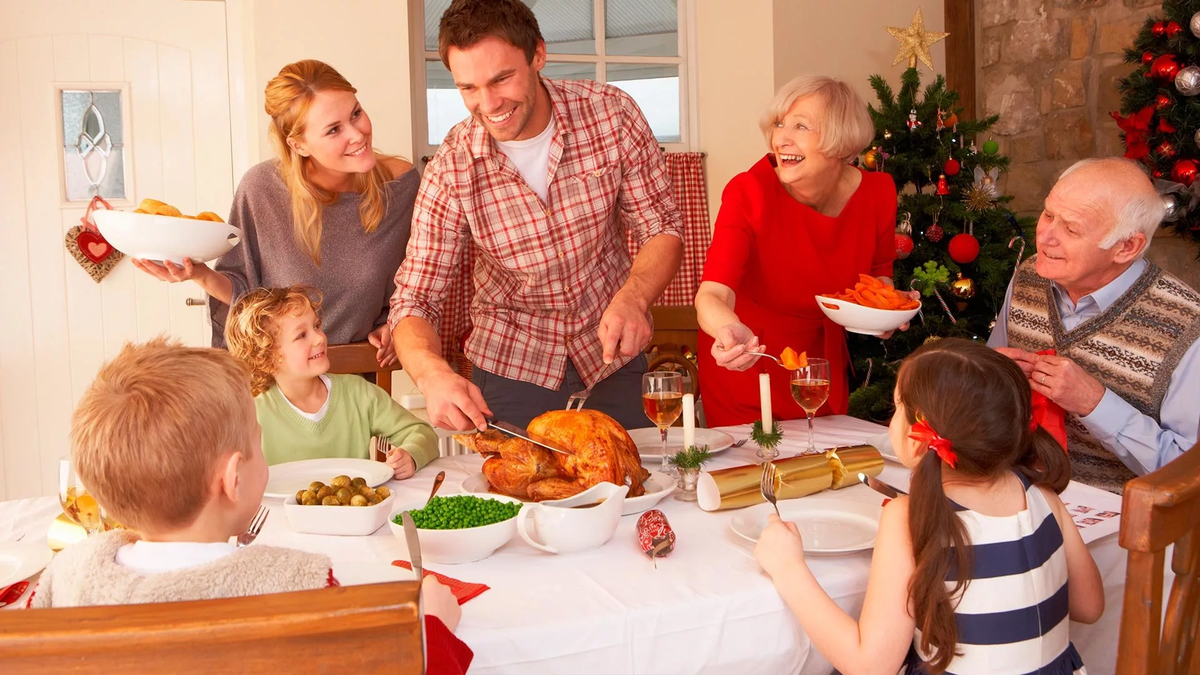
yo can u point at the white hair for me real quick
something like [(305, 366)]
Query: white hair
[(1136, 205)]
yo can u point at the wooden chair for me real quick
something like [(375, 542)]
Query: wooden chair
[(1161, 509), (374, 628), (359, 358)]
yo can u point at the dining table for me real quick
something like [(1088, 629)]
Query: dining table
[(705, 608)]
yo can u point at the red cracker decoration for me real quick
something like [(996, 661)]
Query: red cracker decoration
[(655, 535)]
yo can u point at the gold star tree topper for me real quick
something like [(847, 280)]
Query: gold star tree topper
[(915, 42)]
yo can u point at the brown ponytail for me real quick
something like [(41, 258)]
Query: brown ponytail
[(979, 400)]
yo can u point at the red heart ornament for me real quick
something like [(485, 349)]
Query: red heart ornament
[(93, 246)]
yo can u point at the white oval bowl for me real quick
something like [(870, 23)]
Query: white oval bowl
[(350, 521), (864, 320), (142, 235), (458, 546), (658, 487)]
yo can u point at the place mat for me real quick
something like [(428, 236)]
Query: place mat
[(462, 590)]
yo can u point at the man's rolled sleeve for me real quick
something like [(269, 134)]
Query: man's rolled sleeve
[(435, 249), (646, 202)]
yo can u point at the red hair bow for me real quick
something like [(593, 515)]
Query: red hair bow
[(922, 432), (1049, 415)]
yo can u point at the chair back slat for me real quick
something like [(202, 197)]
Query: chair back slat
[(1159, 510), (373, 628), (359, 358)]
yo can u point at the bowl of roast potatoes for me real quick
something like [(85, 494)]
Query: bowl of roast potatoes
[(345, 506)]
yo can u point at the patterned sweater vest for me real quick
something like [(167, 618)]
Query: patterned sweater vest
[(1132, 348)]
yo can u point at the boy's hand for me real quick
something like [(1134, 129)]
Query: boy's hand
[(439, 601), (779, 546), (403, 465)]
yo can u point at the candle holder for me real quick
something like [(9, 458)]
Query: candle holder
[(768, 443), (688, 462)]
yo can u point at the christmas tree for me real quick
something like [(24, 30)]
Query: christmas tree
[(953, 232), (1160, 114)]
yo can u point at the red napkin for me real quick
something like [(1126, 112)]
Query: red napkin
[(1048, 414), (462, 590), (10, 594)]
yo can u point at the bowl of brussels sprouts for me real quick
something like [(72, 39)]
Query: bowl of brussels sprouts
[(460, 528), (345, 506)]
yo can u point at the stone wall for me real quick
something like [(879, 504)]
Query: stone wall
[(1049, 68)]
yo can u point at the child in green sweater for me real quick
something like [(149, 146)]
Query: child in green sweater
[(306, 413)]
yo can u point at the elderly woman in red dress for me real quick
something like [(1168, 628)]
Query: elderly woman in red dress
[(801, 222)]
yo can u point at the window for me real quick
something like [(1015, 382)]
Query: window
[(641, 46), (93, 144)]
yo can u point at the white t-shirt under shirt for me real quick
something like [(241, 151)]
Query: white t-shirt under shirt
[(317, 416), (152, 557), (532, 158)]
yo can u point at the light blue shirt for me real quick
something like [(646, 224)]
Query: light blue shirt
[(1137, 440)]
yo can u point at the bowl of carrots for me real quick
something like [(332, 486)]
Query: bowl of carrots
[(870, 307)]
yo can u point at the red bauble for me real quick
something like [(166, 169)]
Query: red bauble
[(964, 248), (934, 233), (1147, 58), (1185, 171), (1165, 127), (1165, 68), (943, 188), (1162, 102), (951, 167), (1159, 28), (904, 245), (1165, 149), (1173, 29), (1157, 173)]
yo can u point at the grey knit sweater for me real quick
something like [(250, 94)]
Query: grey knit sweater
[(357, 272)]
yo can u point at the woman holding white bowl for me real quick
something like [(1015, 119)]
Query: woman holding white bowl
[(800, 223), (328, 212)]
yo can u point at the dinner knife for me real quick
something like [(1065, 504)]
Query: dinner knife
[(414, 544), (880, 486), (517, 432)]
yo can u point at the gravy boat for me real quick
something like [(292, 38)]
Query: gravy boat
[(577, 523)]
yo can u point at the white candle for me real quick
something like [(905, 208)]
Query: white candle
[(764, 393), (689, 420)]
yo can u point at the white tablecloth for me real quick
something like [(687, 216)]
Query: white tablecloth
[(707, 608)]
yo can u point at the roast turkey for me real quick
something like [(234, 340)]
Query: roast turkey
[(600, 451)]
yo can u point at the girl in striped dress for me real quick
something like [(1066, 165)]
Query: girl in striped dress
[(979, 570)]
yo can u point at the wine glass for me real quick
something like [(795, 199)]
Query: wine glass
[(662, 399), (79, 505), (810, 388)]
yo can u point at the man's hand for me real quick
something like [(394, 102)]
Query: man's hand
[(730, 349), (381, 339), (453, 402), (1064, 382), (624, 328), (1027, 360)]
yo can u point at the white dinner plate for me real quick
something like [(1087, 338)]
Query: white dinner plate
[(883, 443), (649, 442), (288, 478), (658, 486), (19, 561), (828, 525)]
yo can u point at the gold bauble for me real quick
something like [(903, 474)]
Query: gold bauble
[(871, 159), (963, 287), (887, 135)]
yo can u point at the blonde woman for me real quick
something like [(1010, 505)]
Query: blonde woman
[(801, 221), (328, 212)]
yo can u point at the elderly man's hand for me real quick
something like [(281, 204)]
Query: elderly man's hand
[(1064, 382), (1027, 360)]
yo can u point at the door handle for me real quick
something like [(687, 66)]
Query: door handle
[(195, 302)]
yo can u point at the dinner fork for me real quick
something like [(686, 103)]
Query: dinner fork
[(256, 524), (767, 485), (575, 401)]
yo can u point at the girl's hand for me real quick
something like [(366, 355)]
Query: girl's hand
[(779, 546), (381, 339), (403, 465)]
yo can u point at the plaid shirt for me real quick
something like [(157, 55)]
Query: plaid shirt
[(544, 273)]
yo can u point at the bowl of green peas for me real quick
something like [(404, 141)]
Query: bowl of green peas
[(460, 528)]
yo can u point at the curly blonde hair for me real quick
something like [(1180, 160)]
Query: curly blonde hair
[(252, 328)]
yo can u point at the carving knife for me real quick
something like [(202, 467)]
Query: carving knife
[(517, 432)]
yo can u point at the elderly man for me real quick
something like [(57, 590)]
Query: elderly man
[(1126, 366)]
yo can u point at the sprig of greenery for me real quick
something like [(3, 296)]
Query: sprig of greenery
[(690, 458), (929, 276), (765, 440)]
